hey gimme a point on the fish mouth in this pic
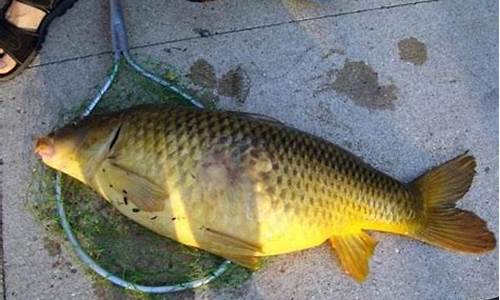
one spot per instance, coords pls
(45, 147)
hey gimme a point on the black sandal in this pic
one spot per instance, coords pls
(23, 45)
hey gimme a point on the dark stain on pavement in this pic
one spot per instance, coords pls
(333, 51)
(360, 83)
(202, 32)
(202, 73)
(235, 83)
(413, 51)
(52, 247)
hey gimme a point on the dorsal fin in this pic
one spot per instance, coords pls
(257, 116)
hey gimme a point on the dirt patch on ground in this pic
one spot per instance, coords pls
(413, 51)
(202, 73)
(235, 83)
(52, 247)
(360, 83)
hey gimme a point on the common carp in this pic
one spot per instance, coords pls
(243, 186)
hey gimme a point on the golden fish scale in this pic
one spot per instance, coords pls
(284, 187)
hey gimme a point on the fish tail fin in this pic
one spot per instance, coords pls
(447, 226)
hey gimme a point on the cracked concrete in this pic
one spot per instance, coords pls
(445, 106)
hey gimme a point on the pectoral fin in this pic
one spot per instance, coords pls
(123, 185)
(354, 251)
(222, 243)
(226, 246)
(231, 248)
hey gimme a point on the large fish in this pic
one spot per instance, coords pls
(244, 186)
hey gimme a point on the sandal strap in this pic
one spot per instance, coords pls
(45, 5)
(17, 42)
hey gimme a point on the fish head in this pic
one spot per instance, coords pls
(78, 148)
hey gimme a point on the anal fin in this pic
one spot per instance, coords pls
(354, 251)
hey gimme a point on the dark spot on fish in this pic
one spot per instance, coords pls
(174, 218)
(360, 83)
(413, 51)
(254, 153)
(223, 140)
(203, 74)
(154, 218)
(135, 210)
(235, 83)
(264, 176)
(103, 170)
(235, 155)
(124, 191)
(243, 147)
(487, 170)
(125, 200)
(192, 151)
(111, 186)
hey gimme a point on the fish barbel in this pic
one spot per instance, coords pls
(243, 186)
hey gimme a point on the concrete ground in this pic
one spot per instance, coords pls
(406, 85)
